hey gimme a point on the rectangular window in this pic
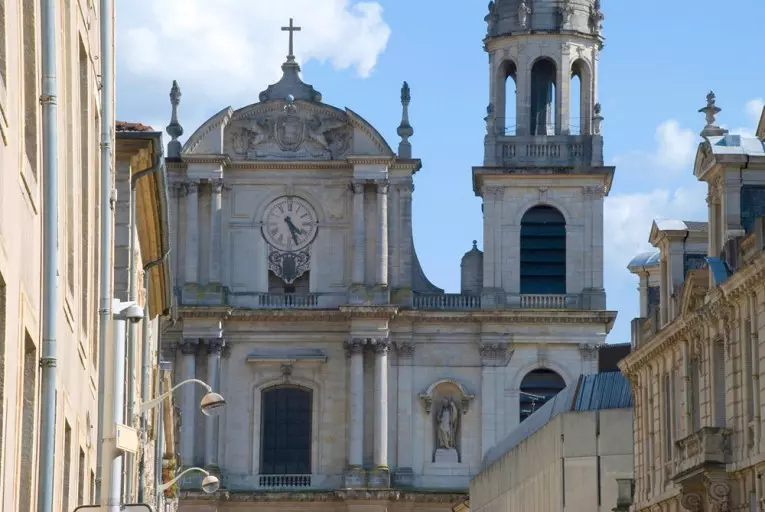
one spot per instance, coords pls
(97, 244)
(81, 478)
(667, 418)
(67, 114)
(696, 393)
(84, 223)
(29, 45)
(67, 477)
(719, 386)
(751, 348)
(29, 420)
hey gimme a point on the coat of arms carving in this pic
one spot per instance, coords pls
(290, 129)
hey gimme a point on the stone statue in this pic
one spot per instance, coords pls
(566, 13)
(491, 19)
(448, 416)
(523, 14)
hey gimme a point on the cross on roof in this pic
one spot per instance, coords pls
(291, 29)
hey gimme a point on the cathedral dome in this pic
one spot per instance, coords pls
(472, 271)
(511, 17)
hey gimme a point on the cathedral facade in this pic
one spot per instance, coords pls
(350, 379)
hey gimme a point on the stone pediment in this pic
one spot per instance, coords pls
(693, 291)
(287, 130)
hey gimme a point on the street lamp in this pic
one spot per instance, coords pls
(210, 404)
(210, 483)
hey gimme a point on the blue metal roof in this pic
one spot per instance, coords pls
(595, 392)
(645, 259)
(719, 269)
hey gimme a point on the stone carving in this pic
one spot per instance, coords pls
(405, 349)
(380, 346)
(189, 346)
(288, 266)
(691, 501)
(523, 14)
(354, 346)
(596, 18)
(597, 119)
(566, 13)
(447, 424)
(719, 494)
(589, 351)
(286, 372)
(292, 134)
(491, 19)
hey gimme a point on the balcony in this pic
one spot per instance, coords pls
(707, 449)
(284, 482)
(550, 150)
(254, 300)
(460, 302)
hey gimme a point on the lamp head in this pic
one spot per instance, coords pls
(134, 314)
(210, 484)
(212, 403)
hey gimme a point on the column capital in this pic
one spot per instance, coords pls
(191, 186)
(405, 349)
(215, 345)
(495, 354)
(217, 185)
(354, 346)
(589, 351)
(357, 186)
(189, 346)
(381, 346)
(169, 349)
(382, 186)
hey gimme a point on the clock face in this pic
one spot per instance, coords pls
(290, 223)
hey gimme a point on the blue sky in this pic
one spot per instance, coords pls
(658, 63)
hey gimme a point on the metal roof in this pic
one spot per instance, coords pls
(645, 259)
(588, 393)
(730, 144)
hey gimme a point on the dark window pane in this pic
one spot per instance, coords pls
(537, 388)
(286, 432)
(543, 251)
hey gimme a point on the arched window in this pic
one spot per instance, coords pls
(537, 387)
(286, 431)
(543, 251)
(508, 72)
(543, 97)
(575, 91)
(579, 98)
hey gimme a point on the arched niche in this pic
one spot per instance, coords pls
(581, 97)
(537, 387)
(445, 402)
(543, 87)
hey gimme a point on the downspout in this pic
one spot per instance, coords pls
(130, 363)
(106, 204)
(50, 257)
(145, 369)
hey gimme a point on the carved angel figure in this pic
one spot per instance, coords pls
(252, 135)
(448, 416)
(317, 127)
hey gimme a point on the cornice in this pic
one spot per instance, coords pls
(290, 165)
(224, 496)
(223, 160)
(370, 160)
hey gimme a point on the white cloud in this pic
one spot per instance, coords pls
(238, 46)
(676, 146)
(628, 218)
(754, 109)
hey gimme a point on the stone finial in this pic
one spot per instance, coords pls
(475, 245)
(289, 106)
(597, 119)
(710, 112)
(174, 129)
(405, 130)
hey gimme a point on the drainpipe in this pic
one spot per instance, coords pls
(145, 369)
(131, 330)
(105, 260)
(50, 257)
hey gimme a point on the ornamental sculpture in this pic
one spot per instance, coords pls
(447, 425)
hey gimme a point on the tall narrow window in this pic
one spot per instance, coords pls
(575, 91)
(67, 477)
(29, 420)
(81, 478)
(286, 436)
(696, 393)
(29, 45)
(751, 349)
(719, 383)
(543, 251)
(92, 485)
(97, 225)
(580, 98)
(667, 417)
(508, 73)
(543, 75)
(537, 387)
(85, 280)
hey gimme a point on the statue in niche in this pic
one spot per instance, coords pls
(523, 14)
(447, 425)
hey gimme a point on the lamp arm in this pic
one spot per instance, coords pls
(167, 485)
(152, 403)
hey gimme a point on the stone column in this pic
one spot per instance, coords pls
(188, 400)
(404, 474)
(687, 391)
(359, 236)
(382, 233)
(405, 245)
(192, 231)
(214, 349)
(493, 356)
(394, 257)
(215, 230)
(355, 351)
(380, 476)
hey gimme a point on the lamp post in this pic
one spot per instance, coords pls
(210, 483)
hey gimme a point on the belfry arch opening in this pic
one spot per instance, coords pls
(579, 98)
(537, 387)
(543, 251)
(543, 87)
(508, 74)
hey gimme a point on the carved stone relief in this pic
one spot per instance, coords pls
(289, 135)
(289, 265)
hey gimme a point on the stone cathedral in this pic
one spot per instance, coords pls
(352, 380)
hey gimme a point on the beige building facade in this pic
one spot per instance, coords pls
(78, 127)
(696, 366)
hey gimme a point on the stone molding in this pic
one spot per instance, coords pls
(405, 349)
(189, 346)
(222, 497)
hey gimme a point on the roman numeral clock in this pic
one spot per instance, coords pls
(290, 225)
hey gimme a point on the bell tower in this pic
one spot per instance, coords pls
(543, 152)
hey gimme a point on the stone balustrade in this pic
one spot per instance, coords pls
(550, 150)
(284, 482)
(456, 301)
(709, 447)
(447, 301)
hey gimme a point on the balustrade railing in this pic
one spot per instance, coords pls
(707, 446)
(284, 482)
(456, 301)
(447, 301)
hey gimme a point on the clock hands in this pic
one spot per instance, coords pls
(294, 231)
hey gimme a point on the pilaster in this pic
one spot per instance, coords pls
(192, 232)
(215, 230)
(382, 233)
(354, 476)
(380, 475)
(214, 350)
(404, 475)
(359, 235)
(189, 348)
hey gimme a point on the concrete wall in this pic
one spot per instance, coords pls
(21, 190)
(571, 464)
